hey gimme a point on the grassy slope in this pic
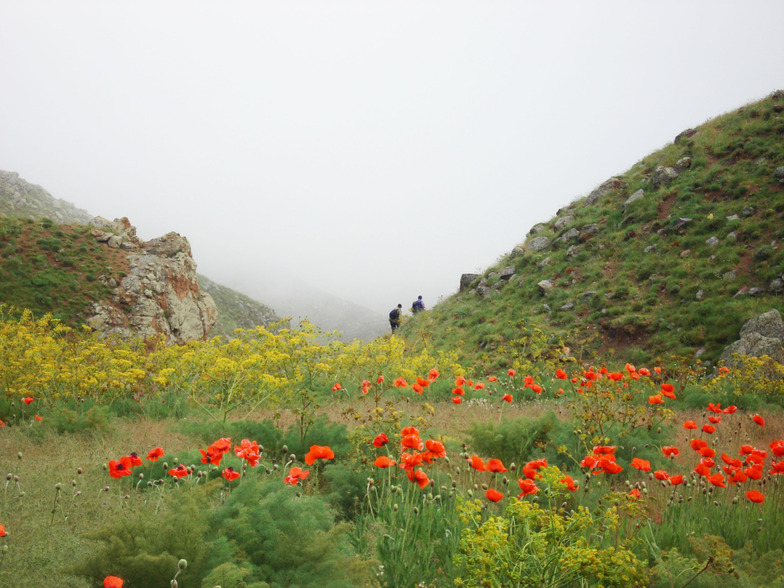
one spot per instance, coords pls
(646, 304)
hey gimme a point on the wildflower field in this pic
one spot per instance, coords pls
(281, 458)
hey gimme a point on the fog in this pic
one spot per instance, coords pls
(376, 150)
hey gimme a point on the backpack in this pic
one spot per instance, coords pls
(394, 314)
(417, 305)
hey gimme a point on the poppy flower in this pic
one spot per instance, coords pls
(380, 380)
(738, 477)
(507, 398)
(112, 582)
(604, 449)
(433, 374)
(435, 448)
(3, 532)
(336, 387)
(641, 464)
(670, 450)
(777, 447)
(494, 495)
(570, 485)
(676, 480)
(155, 454)
(477, 463)
(210, 456)
(714, 419)
(295, 475)
(118, 469)
(417, 388)
(644, 372)
(608, 466)
(702, 469)
(27, 400)
(318, 452)
(495, 465)
(537, 463)
(383, 461)
(223, 445)
(655, 399)
(714, 407)
(635, 493)
(479, 386)
(412, 442)
(459, 391)
(777, 467)
(460, 381)
(380, 440)
(560, 374)
(730, 410)
(746, 449)
(753, 473)
(589, 461)
(229, 474)
(710, 429)
(536, 388)
(707, 452)
(668, 390)
(531, 473)
(708, 462)
(40, 418)
(689, 425)
(755, 496)
(697, 444)
(400, 383)
(527, 486)
(366, 386)
(419, 477)
(615, 376)
(179, 472)
(511, 373)
(457, 399)
(731, 461)
(759, 420)
(661, 475)
(717, 480)
(2, 423)
(492, 379)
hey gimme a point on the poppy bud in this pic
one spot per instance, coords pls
(105, 467)
(182, 564)
(395, 507)
(505, 480)
(716, 503)
(58, 486)
(79, 471)
(457, 471)
(174, 584)
(285, 449)
(416, 510)
(371, 481)
(470, 493)
(79, 493)
(430, 496)
(73, 482)
(292, 457)
(275, 467)
(9, 476)
(165, 465)
(454, 483)
(106, 488)
(176, 460)
(199, 474)
(141, 477)
(19, 455)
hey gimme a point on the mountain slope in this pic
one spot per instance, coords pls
(235, 310)
(670, 257)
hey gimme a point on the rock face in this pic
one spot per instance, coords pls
(762, 335)
(160, 293)
(20, 198)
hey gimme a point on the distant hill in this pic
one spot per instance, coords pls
(51, 262)
(668, 258)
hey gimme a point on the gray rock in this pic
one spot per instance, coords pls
(587, 295)
(569, 236)
(733, 217)
(683, 163)
(567, 306)
(733, 236)
(537, 228)
(601, 190)
(537, 244)
(712, 242)
(663, 175)
(779, 172)
(768, 324)
(563, 222)
(588, 231)
(776, 286)
(748, 211)
(507, 273)
(729, 276)
(466, 280)
(545, 286)
(700, 295)
(636, 196)
(753, 345)
(572, 251)
(482, 291)
(650, 249)
(683, 135)
(681, 223)
(518, 251)
(756, 291)
(544, 263)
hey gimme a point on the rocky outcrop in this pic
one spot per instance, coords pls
(761, 335)
(20, 198)
(159, 294)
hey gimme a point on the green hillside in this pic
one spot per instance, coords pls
(673, 270)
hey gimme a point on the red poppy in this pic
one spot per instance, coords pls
(494, 495)
(569, 482)
(492, 379)
(710, 429)
(380, 440)
(2, 423)
(460, 381)
(495, 466)
(731, 461)
(702, 469)
(644, 372)
(717, 480)
(675, 480)
(459, 391)
(409, 431)
(477, 463)
(730, 410)
(635, 493)
(746, 449)
(777, 467)
(777, 447)
(738, 477)
(714, 407)
(419, 477)
(457, 399)
(615, 376)
(527, 487)
(38, 418)
(223, 445)
(670, 450)
(435, 448)
(714, 419)
(661, 475)
(179, 472)
(400, 383)
(655, 399)
(537, 463)
(641, 464)
(753, 473)
(211, 457)
(383, 461)
(118, 469)
(536, 388)
(759, 420)
(337, 387)
(2, 531)
(155, 454)
(479, 386)
(707, 452)
(412, 442)
(229, 474)
(589, 461)
(366, 386)
(604, 449)
(708, 462)
(608, 466)
(433, 374)
(697, 444)
(380, 380)
(668, 390)
(27, 400)
(511, 373)
(112, 582)
(755, 496)
(318, 452)
(507, 398)
(560, 374)
(295, 475)
(417, 388)
(689, 425)
(247, 450)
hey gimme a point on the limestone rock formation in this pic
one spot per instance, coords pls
(761, 335)
(159, 294)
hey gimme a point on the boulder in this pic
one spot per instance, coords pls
(507, 273)
(545, 286)
(537, 244)
(636, 196)
(466, 280)
(563, 222)
(663, 175)
(768, 324)
(761, 335)
(683, 135)
(601, 190)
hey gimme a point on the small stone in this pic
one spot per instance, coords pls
(712, 242)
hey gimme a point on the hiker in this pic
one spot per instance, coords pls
(417, 305)
(394, 317)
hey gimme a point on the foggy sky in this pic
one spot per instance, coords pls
(374, 149)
